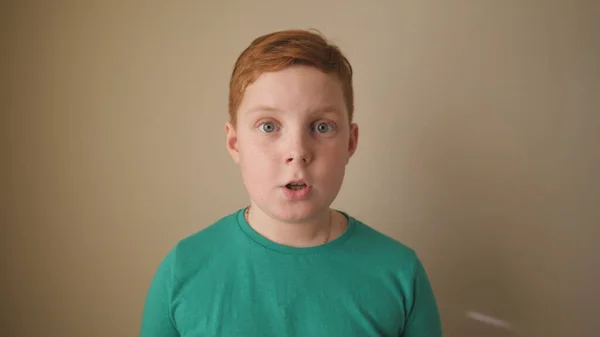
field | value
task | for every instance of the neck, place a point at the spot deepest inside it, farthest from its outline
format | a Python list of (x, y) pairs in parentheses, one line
[(315, 231)]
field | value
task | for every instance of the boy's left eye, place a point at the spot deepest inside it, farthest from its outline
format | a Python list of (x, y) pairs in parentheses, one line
[(323, 127)]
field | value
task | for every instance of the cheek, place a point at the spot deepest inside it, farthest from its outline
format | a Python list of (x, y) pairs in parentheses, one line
[(257, 161), (335, 151), (334, 162), (260, 153)]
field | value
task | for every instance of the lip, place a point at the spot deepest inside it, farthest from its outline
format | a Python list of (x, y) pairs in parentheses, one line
[(296, 195), (297, 182)]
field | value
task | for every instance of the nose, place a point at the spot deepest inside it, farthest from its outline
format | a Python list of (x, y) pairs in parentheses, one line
[(299, 150)]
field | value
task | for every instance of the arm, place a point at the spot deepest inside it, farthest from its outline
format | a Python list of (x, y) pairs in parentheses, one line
[(156, 318), (423, 319)]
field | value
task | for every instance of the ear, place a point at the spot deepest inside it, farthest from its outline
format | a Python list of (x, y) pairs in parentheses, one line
[(232, 142), (353, 140)]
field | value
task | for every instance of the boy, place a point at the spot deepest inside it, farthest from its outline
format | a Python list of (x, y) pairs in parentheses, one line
[(289, 265)]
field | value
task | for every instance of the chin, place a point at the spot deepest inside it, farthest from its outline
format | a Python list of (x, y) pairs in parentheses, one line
[(299, 212)]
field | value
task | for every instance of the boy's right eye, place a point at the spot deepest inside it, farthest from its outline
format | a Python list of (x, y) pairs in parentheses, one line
[(267, 127)]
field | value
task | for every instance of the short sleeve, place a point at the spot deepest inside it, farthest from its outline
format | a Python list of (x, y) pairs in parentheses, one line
[(423, 318), (156, 318)]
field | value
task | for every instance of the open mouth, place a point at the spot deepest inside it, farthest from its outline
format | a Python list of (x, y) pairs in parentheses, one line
[(295, 186)]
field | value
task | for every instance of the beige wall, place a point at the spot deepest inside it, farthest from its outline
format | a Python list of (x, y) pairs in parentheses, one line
[(479, 148)]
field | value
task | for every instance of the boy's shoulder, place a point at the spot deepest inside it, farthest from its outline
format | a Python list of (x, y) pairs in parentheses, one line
[(363, 240), (204, 244), (212, 235), (378, 242), (384, 255)]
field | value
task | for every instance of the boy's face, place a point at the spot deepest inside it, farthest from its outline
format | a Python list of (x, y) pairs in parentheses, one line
[(292, 126)]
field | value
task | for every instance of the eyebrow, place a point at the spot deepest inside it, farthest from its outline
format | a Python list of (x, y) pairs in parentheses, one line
[(329, 109), (262, 108)]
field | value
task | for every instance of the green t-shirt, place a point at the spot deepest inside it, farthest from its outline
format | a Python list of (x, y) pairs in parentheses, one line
[(227, 280)]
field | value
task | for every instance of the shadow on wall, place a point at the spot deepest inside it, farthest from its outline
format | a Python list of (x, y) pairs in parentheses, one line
[(495, 252), (470, 207)]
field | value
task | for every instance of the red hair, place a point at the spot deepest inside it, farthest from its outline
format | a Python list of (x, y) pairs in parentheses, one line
[(279, 50)]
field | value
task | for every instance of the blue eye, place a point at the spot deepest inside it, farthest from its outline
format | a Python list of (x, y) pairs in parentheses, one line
[(323, 127), (267, 127)]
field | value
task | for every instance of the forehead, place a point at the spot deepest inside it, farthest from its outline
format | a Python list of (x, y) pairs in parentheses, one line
[(296, 89)]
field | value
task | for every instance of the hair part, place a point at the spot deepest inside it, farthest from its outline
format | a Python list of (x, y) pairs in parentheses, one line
[(279, 50)]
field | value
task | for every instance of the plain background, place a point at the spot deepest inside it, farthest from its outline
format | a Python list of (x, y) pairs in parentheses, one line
[(479, 148)]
